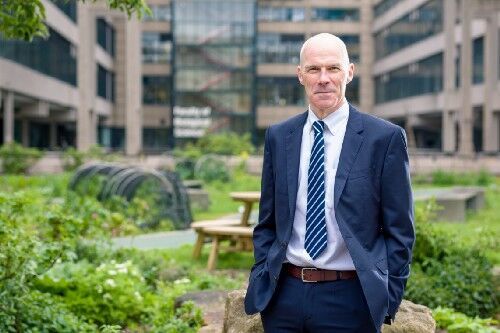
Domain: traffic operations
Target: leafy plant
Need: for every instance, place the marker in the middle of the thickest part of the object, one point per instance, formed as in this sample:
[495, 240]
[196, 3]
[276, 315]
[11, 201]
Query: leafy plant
[446, 273]
[25, 19]
[209, 168]
[16, 159]
[72, 159]
[456, 322]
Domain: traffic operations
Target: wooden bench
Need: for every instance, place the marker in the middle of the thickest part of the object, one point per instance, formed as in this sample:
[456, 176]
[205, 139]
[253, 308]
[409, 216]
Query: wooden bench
[217, 233]
[199, 228]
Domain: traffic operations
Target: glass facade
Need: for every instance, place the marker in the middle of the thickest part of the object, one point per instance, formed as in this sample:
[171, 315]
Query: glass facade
[352, 44]
[154, 139]
[335, 14]
[55, 56]
[105, 84]
[477, 62]
[280, 91]
[278, 48]
[106, 36]
[38, 135]
[156, 90]
[67, 7]
[423, 77]
[156, 47]
[111, 137]
[384, 6]
[280, 14]
[421, 23]
[352, 91]
[214, 61]
[159, 13]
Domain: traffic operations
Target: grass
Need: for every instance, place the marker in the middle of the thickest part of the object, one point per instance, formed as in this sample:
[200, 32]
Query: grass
[221, 202]
[482, 228]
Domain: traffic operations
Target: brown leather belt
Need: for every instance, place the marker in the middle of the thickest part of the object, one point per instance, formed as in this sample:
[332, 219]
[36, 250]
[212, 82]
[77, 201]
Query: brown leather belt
[313, 274]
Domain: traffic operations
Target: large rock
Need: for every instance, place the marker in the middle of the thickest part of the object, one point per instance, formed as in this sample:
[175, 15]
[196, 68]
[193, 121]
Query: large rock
[411, 318]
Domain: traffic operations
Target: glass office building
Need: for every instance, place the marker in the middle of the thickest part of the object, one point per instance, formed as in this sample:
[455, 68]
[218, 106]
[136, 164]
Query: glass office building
[198, 65]
[213, 65]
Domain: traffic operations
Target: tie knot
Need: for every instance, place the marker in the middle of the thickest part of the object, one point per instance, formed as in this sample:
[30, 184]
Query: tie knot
[319, 126]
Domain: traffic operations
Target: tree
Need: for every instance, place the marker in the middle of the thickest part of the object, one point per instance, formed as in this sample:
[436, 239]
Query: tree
[24, 19]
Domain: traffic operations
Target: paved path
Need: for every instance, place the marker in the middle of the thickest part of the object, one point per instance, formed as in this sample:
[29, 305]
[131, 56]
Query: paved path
[161, 240]
[164, 240]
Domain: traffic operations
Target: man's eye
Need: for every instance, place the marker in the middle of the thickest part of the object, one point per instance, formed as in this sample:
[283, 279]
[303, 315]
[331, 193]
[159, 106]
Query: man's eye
[312, 70]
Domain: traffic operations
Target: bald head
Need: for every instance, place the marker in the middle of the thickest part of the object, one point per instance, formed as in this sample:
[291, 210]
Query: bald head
[324, 40]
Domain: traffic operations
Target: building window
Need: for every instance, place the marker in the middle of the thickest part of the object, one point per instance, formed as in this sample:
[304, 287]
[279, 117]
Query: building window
[352, 44]
[279, 48]
[352, 91]
[106, 36]
[159, 13]
[155, 138]
[156, 90]
[384, 6]
[105, 84]
[280, 91]
[156, 47]
[419, 24]
[111, 137]
[335, 14]
[477, 62]
[280, 14]
[54, 56]
[423, 77]
[67, 7]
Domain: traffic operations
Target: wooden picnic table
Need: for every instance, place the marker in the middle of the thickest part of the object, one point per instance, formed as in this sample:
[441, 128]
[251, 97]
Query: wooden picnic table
[248, 199]
[239, 232]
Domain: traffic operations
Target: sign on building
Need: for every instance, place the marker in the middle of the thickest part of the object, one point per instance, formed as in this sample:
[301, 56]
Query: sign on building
[191, 122]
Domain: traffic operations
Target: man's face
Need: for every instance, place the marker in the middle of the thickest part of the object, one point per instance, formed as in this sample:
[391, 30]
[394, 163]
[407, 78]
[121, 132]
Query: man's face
[324, 75]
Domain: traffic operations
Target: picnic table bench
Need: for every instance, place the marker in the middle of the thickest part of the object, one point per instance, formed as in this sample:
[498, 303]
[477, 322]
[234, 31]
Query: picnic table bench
[218, 233]
[240, 231]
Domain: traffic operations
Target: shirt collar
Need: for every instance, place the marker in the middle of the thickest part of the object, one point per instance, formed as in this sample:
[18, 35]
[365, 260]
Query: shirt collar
[332, 120]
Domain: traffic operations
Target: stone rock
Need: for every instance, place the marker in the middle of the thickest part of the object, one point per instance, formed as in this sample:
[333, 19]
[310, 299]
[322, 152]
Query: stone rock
[411, 318]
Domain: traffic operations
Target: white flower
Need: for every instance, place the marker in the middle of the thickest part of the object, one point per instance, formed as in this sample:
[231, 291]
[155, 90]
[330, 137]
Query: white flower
[138, 296]
[112, 272]
[98, 289]
[182, 281]
[107, 296]
[110, 282]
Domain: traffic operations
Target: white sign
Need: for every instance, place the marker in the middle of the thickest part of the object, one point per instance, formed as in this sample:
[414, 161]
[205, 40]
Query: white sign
[191, 122]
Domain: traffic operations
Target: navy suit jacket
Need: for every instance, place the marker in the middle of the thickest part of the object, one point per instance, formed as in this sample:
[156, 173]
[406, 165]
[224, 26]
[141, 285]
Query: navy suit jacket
[372, 203]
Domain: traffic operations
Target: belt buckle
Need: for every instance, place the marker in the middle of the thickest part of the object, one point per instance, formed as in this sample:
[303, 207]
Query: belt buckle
[308, 269]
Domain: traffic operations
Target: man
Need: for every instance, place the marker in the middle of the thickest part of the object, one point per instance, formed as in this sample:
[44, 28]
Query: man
[335, 234]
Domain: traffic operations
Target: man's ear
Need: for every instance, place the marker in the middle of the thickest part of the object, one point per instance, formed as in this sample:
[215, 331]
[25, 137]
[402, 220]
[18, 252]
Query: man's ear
[350, 72]
[299, 75]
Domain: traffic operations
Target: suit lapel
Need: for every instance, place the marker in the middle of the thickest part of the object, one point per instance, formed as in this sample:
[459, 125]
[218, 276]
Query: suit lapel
[293, 142]
[350, 148]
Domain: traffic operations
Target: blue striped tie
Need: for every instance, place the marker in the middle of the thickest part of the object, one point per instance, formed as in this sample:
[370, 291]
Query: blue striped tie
[316, 240]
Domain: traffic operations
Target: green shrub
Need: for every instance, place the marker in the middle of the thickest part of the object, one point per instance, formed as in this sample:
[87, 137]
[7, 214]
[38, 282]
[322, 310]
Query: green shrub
[226, 143]
[72, 159]
[16, 159]
[113, 293]
[447, 273]
[445, 178]
[209, 168]
[456, 322]
[461, 280]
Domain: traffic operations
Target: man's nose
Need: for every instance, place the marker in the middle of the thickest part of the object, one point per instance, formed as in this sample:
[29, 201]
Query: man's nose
[323, 76]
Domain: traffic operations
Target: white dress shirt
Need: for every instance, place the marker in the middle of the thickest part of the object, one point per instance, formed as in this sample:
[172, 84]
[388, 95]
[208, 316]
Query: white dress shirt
[336, 255]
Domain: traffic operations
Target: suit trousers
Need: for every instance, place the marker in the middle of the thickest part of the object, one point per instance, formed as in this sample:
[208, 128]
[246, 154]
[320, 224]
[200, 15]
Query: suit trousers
[317, 307]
